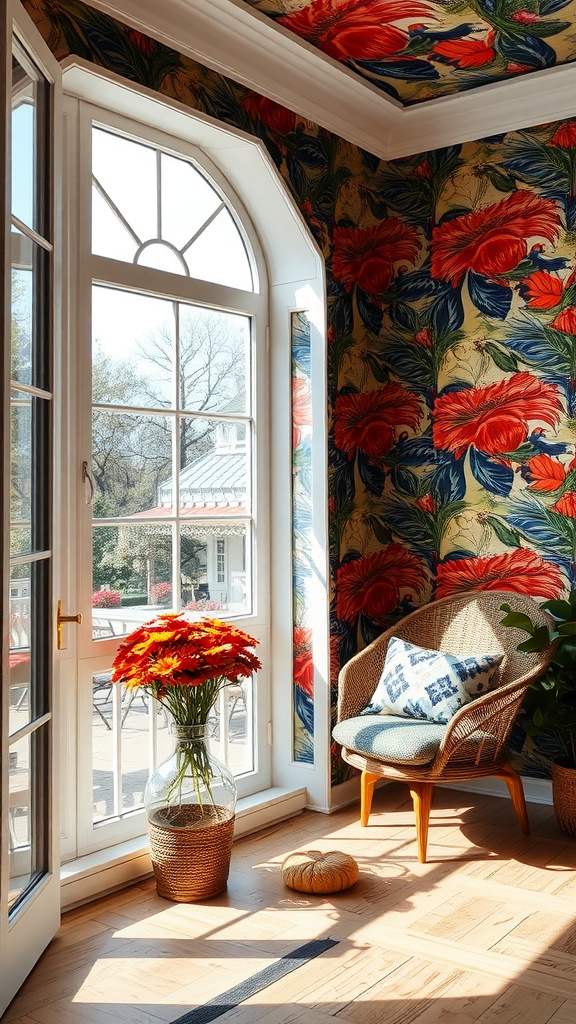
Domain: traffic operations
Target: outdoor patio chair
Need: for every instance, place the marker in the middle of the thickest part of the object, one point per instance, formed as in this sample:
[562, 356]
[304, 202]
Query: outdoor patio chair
[473, 743]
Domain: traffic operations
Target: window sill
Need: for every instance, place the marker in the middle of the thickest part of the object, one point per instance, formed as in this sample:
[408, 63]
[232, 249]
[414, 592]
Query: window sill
[97, 874]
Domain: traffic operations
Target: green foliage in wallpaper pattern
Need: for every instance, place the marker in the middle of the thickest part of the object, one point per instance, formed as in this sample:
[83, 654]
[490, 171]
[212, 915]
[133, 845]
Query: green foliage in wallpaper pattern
[451, 288]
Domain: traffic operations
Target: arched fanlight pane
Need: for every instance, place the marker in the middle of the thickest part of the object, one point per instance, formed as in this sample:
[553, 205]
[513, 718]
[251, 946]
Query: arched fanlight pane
[160, 256]
[219, 255]
[126, 170]
[187, 200]
[109, 235]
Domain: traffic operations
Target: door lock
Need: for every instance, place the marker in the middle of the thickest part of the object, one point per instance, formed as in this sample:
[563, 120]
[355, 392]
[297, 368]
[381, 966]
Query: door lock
[60, 620]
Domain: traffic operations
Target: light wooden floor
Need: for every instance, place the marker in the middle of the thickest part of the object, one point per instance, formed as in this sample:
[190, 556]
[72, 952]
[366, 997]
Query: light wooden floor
[485, 932]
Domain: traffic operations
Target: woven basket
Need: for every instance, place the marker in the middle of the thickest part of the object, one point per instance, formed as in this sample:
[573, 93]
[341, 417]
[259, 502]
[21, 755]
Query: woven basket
[564, 795]
[190, 851]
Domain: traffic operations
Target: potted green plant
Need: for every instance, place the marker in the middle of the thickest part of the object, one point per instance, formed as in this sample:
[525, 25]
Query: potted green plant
[549, 709]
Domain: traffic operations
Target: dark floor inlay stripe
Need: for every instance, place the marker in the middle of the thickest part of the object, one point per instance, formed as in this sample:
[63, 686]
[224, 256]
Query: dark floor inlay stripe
[230, 999]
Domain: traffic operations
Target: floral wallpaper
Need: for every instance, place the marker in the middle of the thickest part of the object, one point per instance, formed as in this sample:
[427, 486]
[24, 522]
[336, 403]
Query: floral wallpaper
[451, 293]
[302, 536]
[418, 50]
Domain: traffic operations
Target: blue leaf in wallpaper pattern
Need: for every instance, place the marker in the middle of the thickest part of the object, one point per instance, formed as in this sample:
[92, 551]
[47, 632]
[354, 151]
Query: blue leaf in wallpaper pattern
[404, 481]
[416, 451]
[546, 168]
[454, 211]
[447, 313]
[551, 6]
[404, 316]
[370, 474]
[304, 708]
[491, 474]
[489, 297]
[411, 287]
[448, 480]
[370, 311]
[530, 50]
[343, 477]
[410, 69]
[310, 151]
[542, 527]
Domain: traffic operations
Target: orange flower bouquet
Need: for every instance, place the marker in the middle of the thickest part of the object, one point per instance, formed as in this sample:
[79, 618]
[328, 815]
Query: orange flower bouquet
[183, 664]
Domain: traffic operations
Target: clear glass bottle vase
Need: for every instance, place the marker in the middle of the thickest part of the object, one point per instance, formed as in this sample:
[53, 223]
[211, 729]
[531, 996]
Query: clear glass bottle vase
[190, 803]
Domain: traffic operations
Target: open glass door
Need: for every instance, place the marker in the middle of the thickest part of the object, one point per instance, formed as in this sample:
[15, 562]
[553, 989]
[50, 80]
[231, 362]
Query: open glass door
[30, 884]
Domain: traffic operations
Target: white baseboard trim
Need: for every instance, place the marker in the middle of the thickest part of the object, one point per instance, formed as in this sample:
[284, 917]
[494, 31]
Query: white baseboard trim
[98, 874]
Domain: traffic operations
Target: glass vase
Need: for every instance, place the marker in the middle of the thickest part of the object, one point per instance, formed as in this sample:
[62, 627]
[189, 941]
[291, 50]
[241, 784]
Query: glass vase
[190, 805]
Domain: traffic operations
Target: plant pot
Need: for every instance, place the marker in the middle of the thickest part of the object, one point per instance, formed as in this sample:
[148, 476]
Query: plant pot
[564, 796]
[190, 804]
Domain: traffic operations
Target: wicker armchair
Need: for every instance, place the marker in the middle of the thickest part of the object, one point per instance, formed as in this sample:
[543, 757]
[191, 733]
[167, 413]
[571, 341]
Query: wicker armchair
[474, 742]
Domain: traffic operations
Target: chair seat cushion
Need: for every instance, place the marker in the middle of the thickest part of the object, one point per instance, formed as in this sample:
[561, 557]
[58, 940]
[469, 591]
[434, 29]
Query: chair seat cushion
[433, 685]
[391, 738]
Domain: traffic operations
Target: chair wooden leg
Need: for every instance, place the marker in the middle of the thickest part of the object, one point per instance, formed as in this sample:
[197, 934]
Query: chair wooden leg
[367, 783]
[422, 793]
[516, 790]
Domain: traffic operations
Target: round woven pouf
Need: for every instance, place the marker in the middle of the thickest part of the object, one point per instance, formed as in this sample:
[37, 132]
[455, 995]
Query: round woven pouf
[316, 872]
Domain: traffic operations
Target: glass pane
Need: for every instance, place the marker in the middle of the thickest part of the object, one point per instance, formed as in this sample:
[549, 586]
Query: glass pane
[129, 564]
[20, 472]
[231, 735]
[161, 256]
[219, 255]
[187, 200]
[214, 360]
[214, 468]
[27, 800]
[126, 170]
[214, 569]
[103, 747]
[24, 100]
[110, 237]
[22, 307]
[132, 349]
[20, 647]
[131, 464]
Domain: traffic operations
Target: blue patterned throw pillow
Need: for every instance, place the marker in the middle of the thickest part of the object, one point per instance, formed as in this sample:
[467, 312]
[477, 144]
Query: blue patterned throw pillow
[417, 683]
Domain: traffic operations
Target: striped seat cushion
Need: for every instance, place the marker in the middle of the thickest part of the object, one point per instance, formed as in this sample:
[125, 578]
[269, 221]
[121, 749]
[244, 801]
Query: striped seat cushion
[391, 738]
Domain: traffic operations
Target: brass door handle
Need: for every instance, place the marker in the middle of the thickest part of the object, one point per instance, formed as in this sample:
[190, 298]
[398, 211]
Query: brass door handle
[60, 620]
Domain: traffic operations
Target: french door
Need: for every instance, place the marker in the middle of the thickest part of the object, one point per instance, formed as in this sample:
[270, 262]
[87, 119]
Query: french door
[30, 884]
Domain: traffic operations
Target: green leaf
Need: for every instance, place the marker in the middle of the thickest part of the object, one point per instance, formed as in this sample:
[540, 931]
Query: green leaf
[504, 361]
[559, 609]
[538, 717]
[504, 533]
[566, 629]
[499, 179]
[539, 641]
[518, 620]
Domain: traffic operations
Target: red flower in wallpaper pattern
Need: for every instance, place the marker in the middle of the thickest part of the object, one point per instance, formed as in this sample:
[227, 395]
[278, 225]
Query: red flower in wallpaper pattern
[565, 321]
[357, 29]
[494, 419]
[545, 474]
[492, 241]
[144, 43]
[521, 571]
[566, 505]
[277, 118]
[303, 661]
[565, 136]
[541, 290]
[466, 53]
[366, 256]
[372, 584]
[368, 421]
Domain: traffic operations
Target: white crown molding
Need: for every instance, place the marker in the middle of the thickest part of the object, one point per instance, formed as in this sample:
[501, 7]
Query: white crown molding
[245, 45]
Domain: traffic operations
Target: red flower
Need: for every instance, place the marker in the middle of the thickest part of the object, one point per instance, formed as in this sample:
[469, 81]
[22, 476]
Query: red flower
[541, 290]
[494, 419]
[303, 661]
[465, 53]
[521, 571]
[367, 421]
[493, 240]
[566, 505]
[566, 321]
[357, 29]
[366, 256]
[424, 338]
[565, 136]
[144, 43]
[372, 584]
[545, 474]
[526, 17]
[426, 503]
[276, 117]
[423, 170]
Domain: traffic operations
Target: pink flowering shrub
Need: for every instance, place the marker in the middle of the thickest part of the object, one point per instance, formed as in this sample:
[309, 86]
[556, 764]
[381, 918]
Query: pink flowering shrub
[205, 605]
[106, 599]
[160, 593]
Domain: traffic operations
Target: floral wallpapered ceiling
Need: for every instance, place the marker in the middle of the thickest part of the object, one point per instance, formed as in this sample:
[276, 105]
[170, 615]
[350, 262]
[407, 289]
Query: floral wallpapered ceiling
[451, 347]
[419, 49]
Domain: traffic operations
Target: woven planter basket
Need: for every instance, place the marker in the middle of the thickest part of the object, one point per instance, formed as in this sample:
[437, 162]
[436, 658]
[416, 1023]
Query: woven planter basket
[564, 795]
[191, 852]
